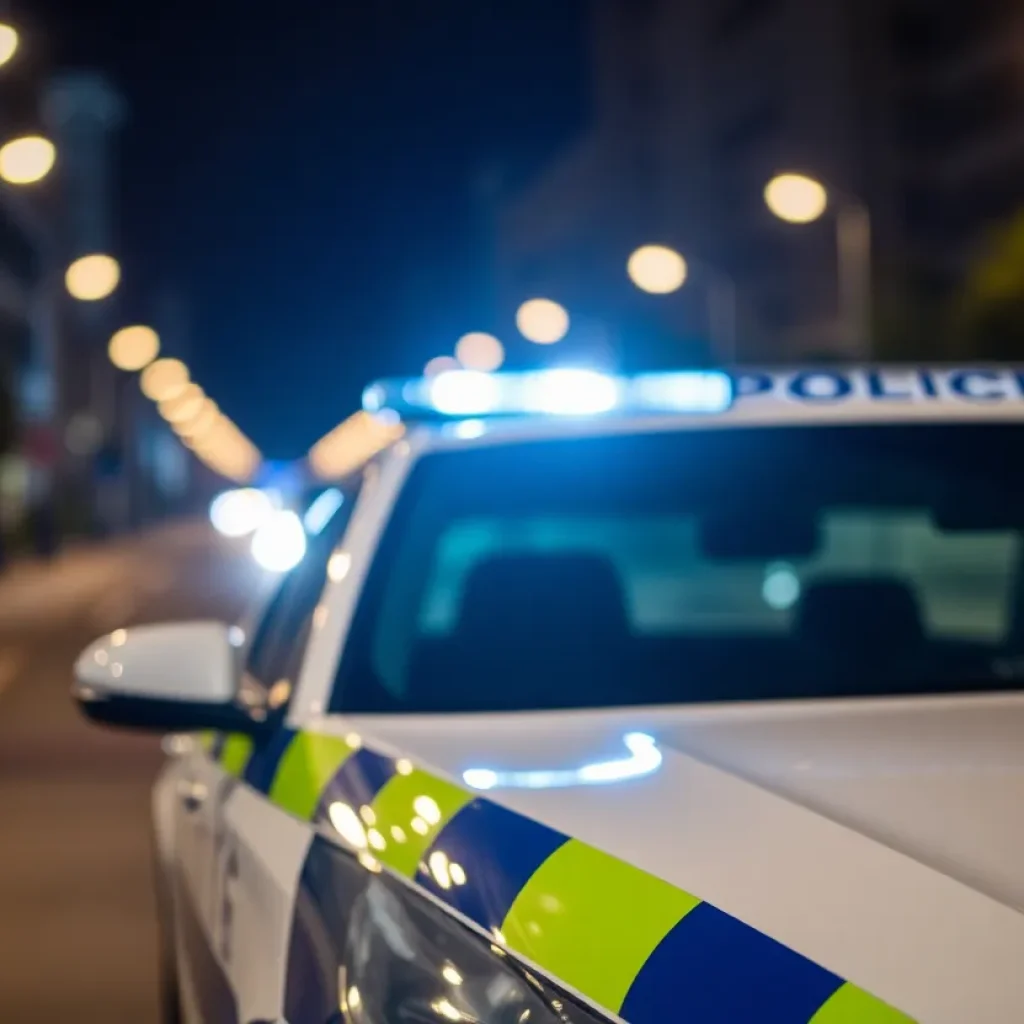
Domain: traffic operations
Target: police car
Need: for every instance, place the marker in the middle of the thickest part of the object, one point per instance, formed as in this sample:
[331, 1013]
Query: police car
[679, 697]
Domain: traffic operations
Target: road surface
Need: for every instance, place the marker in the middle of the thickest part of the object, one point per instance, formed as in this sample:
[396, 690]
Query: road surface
[77, 940]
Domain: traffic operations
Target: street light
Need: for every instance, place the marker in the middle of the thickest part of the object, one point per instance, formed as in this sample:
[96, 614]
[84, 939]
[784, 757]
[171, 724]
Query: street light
[799, 199]
[796, 198]
[657, 269]
[165, 379]
[93, 277]
[133, 348]
[26, 160]
[8, 42]
[542, 321]
[479, 351]
[183, 407]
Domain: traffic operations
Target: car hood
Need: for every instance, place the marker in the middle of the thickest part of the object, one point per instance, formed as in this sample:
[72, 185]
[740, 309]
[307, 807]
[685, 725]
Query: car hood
[882, 838]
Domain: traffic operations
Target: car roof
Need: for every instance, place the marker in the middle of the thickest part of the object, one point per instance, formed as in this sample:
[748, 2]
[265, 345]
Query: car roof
[772, 398]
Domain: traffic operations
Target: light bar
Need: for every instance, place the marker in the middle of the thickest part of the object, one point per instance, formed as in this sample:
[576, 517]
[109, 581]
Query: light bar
[559, 392]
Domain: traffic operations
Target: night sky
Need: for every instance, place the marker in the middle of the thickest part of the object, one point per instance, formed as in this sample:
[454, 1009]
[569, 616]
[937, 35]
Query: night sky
[305, 176]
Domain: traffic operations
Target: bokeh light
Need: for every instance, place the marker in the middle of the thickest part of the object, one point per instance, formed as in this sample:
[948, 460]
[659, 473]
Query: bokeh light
[8, 42]
[542, 321]
[201, 423]
[657, 269]
[134, 348]
[440, 364]
[165, 379]
[26, 160]
[93, 277]
[240, 512]
[795, 198]
[480, 351]
[183, 407]
[280, 543]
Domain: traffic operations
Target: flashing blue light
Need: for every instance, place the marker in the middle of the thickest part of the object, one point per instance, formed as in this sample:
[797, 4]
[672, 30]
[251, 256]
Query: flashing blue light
[557, 392]
[572, 393]
[321, 510]
[464, 393]
[645, 758]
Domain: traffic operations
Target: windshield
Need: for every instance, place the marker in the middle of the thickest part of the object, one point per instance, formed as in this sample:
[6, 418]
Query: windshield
[707, 565]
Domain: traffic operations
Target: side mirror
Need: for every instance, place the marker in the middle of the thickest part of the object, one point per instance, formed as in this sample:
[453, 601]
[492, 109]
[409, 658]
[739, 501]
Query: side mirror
[176, 677]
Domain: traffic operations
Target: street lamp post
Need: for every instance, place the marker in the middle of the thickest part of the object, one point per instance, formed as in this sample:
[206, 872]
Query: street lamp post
[660, 270]
[799, 199]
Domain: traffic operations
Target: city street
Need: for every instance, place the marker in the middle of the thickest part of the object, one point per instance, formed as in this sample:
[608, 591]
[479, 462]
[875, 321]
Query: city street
[76, 917]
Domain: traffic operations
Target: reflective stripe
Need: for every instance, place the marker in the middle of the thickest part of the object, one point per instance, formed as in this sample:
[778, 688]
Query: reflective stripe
[410, 811]
[489, 854]
[593, 920]
[304, 770]
[357, 781]
[236, 753]
[630, 942]
[852, 1005]
[713, 968]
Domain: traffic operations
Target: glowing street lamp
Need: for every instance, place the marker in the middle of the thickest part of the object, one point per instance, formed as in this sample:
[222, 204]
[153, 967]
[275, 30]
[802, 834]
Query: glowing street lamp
[8, 42]
[164, 380]
[542, 321]
[26, 160]
[657, 269]
[134, 348]
[479, 351]
[796, 198]
[183, 407]
[93, 277]
[660, 270]
[799, 199]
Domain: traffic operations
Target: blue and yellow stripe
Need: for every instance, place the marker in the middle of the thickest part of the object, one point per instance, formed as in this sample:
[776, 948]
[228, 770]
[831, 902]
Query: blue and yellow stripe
[626, 940]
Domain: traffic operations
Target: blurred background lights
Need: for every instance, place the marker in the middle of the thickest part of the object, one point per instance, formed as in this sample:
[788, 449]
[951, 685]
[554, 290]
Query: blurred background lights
[240, 512]
[93, 277]
[542, 321]
[656, 269]
[465, 393]
[201, 425]
[184, 407]
[26, 160]
[781, 587]
[8, 42]
[83, 434]
[165, 379]
[280, 542]
[133, 348]
[441, 364]
[480, 351]
[796, 198]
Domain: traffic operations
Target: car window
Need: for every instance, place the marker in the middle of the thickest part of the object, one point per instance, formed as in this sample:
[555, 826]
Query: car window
[274, 657]
[710, 565]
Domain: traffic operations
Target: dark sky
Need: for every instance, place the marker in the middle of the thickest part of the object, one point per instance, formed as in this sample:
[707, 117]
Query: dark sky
[303, 174]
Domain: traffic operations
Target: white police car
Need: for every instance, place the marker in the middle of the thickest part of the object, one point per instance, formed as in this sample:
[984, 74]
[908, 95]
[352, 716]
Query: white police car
[661, 703]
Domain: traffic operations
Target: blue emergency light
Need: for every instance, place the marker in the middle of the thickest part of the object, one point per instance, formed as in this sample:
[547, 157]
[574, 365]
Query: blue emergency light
[557, 392]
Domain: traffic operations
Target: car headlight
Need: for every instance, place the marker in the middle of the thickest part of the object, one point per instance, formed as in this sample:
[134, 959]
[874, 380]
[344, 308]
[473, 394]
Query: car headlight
[406, 961]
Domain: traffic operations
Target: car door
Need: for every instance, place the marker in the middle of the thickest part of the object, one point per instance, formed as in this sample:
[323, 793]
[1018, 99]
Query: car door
[248, 855]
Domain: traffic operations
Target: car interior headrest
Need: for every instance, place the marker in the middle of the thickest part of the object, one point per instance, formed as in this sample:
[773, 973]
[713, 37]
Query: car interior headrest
[557, 595]
[853, 614]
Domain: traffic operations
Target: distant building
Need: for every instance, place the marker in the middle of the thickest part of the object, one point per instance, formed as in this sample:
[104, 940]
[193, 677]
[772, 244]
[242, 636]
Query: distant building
[913, 107]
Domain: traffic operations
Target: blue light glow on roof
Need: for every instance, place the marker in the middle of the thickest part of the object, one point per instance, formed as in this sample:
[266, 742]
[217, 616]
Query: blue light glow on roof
[644, 758]
[557, 392]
